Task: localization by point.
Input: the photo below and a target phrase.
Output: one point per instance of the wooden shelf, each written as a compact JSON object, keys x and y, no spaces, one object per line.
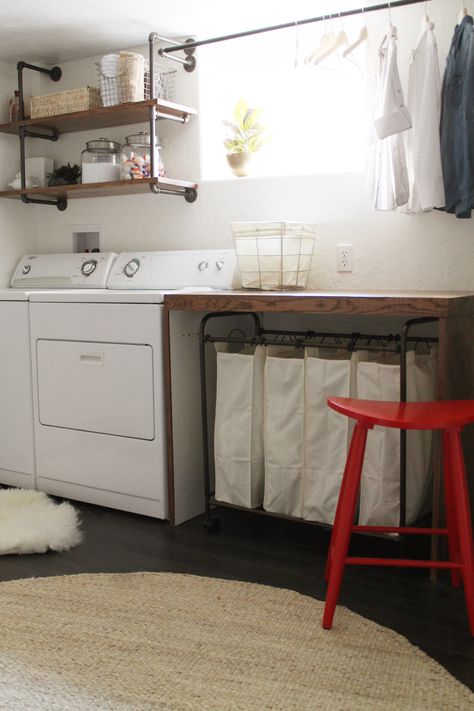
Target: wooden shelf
{"x":89,"y":190}
{"x":103,"y":117}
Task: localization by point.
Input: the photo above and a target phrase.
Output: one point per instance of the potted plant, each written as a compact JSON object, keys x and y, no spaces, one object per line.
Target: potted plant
{"x":64,"y":175}
{"x":247,"y":137}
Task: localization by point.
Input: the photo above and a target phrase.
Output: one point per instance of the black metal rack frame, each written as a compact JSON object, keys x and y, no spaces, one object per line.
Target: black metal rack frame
{"x":395,"y":343}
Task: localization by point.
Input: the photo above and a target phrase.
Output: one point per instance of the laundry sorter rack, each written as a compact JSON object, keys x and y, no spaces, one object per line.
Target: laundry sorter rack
{"x":259,"y":336}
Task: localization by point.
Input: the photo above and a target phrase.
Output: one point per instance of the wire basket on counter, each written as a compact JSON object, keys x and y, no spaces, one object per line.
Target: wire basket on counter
{"x":119,"y":87}
{"x":274,"y":255}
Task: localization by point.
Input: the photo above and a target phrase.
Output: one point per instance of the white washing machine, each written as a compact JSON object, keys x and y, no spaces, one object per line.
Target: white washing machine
{"x":97,"y":373}
{"x":17,"y":449}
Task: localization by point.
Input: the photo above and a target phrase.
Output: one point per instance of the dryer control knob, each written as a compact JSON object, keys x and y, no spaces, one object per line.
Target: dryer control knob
{"x":26,"y":269}
{"x":131,"y":268}
{"x":88,"y":267}
{"x":203,"y":265}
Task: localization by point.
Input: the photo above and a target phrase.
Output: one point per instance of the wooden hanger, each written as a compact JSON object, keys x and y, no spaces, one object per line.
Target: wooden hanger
{"x":363,"y":37}
{"x":330,"y":42}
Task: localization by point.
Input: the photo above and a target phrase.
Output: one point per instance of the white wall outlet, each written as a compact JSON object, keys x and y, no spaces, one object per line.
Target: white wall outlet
{"x":344,"y":258}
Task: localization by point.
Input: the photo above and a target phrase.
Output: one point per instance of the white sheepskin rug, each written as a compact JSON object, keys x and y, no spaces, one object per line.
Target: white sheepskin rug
{"x":31,"y":522}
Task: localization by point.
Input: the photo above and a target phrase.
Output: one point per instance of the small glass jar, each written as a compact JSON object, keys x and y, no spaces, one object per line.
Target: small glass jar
{"x":136,"y":159}
{"x":101,"y":161}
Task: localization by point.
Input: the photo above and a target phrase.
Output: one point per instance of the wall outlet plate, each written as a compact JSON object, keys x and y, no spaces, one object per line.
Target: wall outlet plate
{"x":344,"y":257}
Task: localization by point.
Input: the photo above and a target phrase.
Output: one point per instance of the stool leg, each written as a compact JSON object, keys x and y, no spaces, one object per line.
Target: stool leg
{"x":463,"y":519}
{"x":338,"y":510}
{"x":451,"y":523}
{"x":342,"y":533}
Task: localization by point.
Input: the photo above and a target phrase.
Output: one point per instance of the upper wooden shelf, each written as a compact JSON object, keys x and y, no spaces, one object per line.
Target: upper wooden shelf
{"x":103,"y":117}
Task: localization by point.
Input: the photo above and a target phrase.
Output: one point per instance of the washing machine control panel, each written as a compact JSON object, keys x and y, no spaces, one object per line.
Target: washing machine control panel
{"x":185,"y":269}
{"x":64,"y":271}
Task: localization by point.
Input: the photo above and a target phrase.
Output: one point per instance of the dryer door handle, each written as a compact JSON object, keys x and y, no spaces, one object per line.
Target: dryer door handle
{"x":91,"y":358}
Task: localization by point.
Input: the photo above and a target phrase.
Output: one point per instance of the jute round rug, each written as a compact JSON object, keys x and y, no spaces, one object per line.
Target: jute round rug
{"x":180,"y":642}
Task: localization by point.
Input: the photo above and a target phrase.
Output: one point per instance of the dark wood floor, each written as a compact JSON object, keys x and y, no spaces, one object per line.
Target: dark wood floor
{"x":271,"y":552}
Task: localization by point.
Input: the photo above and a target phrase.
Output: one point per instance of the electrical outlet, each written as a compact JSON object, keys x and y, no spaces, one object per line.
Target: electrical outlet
{"x":344,"y":258}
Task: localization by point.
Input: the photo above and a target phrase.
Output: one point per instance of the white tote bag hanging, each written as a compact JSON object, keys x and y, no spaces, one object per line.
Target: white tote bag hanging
{"x":326,"y":434}
{"x":238,"y":430}
{"x":283,"y":430}
{"x":380,"y":482}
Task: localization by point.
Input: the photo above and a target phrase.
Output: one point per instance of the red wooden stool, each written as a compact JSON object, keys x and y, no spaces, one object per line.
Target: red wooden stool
{"x":449,"y":416}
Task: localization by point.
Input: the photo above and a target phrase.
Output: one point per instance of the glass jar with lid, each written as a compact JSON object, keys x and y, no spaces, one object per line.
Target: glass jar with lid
{"x":136,"y":159}
{"x":101,"y":161}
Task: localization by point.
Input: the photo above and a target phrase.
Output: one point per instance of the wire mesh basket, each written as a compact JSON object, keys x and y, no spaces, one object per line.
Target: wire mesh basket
{"x":274,"y":255}
{"x":165,"y":82}
{"x":118,"y":87}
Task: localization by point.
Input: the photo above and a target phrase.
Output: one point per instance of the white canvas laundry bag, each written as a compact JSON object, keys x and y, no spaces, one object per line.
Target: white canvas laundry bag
{"x":284,"y":429}
{"x":326,"y":433}
{"x":238,"y":430}
{"x":380,"y":482}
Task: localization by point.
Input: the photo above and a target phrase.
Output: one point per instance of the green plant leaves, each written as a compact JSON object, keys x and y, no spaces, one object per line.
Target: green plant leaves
{"x":247,"y":131}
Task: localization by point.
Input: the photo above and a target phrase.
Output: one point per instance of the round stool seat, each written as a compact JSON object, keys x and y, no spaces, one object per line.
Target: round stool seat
{"x":438,"y":415}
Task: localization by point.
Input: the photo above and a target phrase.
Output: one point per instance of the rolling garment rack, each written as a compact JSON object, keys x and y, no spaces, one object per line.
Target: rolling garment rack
{"x":394,"y":343}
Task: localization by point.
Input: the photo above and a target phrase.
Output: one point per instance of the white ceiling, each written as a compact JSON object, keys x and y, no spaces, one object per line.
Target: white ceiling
{"x":51,"y":31}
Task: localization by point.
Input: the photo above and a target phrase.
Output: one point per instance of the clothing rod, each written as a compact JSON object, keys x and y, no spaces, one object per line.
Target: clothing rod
{"x":287,"y":25}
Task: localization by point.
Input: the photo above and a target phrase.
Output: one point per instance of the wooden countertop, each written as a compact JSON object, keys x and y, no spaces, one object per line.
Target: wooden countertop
{"x":414,"y":304}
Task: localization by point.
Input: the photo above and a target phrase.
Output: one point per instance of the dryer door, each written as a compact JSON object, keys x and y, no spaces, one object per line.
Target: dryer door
{"x":105,"y":388}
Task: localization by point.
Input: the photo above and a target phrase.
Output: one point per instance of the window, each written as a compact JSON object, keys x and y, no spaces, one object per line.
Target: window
{"x":316,"y":117}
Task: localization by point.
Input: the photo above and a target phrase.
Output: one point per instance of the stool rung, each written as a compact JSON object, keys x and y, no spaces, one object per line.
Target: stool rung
{"x":404,"y":563}
{"x":398,"y":529}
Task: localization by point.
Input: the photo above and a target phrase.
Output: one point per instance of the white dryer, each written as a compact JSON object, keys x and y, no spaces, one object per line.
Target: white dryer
{"x":97,"y":368}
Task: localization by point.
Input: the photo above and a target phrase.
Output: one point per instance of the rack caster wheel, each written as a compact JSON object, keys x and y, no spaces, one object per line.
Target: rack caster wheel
{"x":212,"y":525}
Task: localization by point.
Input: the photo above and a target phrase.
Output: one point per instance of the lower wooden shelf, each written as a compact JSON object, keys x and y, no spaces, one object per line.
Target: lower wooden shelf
{"x":117,"y":187}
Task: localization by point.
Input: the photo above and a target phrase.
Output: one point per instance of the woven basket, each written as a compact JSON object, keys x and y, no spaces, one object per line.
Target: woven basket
{"x":65,"y":102}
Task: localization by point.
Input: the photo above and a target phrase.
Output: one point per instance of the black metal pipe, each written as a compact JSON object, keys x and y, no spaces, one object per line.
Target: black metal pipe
{"x":403,"y":397}
{"x":152,"y":114}
{"x":21,"y":136}
{"x":39,"y":201}
{"x":35,"y":134}
{"x":287,"y":25}
{"x":204,"y":428}
{"x":55,"y":74}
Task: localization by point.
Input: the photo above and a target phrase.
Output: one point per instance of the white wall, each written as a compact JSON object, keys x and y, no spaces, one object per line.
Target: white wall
{"x":391,"y":250}
{"x":17,"y":226}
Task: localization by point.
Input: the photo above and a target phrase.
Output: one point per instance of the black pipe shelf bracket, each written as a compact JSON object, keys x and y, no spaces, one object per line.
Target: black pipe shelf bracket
{"x":188,"y":49}
{"x":55,"y":74}
{"x":189,"y":64}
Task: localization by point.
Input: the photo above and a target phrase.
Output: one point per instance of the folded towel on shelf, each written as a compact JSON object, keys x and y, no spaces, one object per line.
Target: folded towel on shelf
{"x":132,"y":77}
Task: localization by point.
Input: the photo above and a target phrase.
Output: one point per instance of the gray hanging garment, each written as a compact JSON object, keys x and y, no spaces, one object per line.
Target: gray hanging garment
{"x":457,"y":121}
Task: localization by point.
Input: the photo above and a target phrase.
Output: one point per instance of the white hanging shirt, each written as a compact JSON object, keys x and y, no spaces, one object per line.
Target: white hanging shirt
{"x":424,"y":104}
{"x":389,"y":180}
